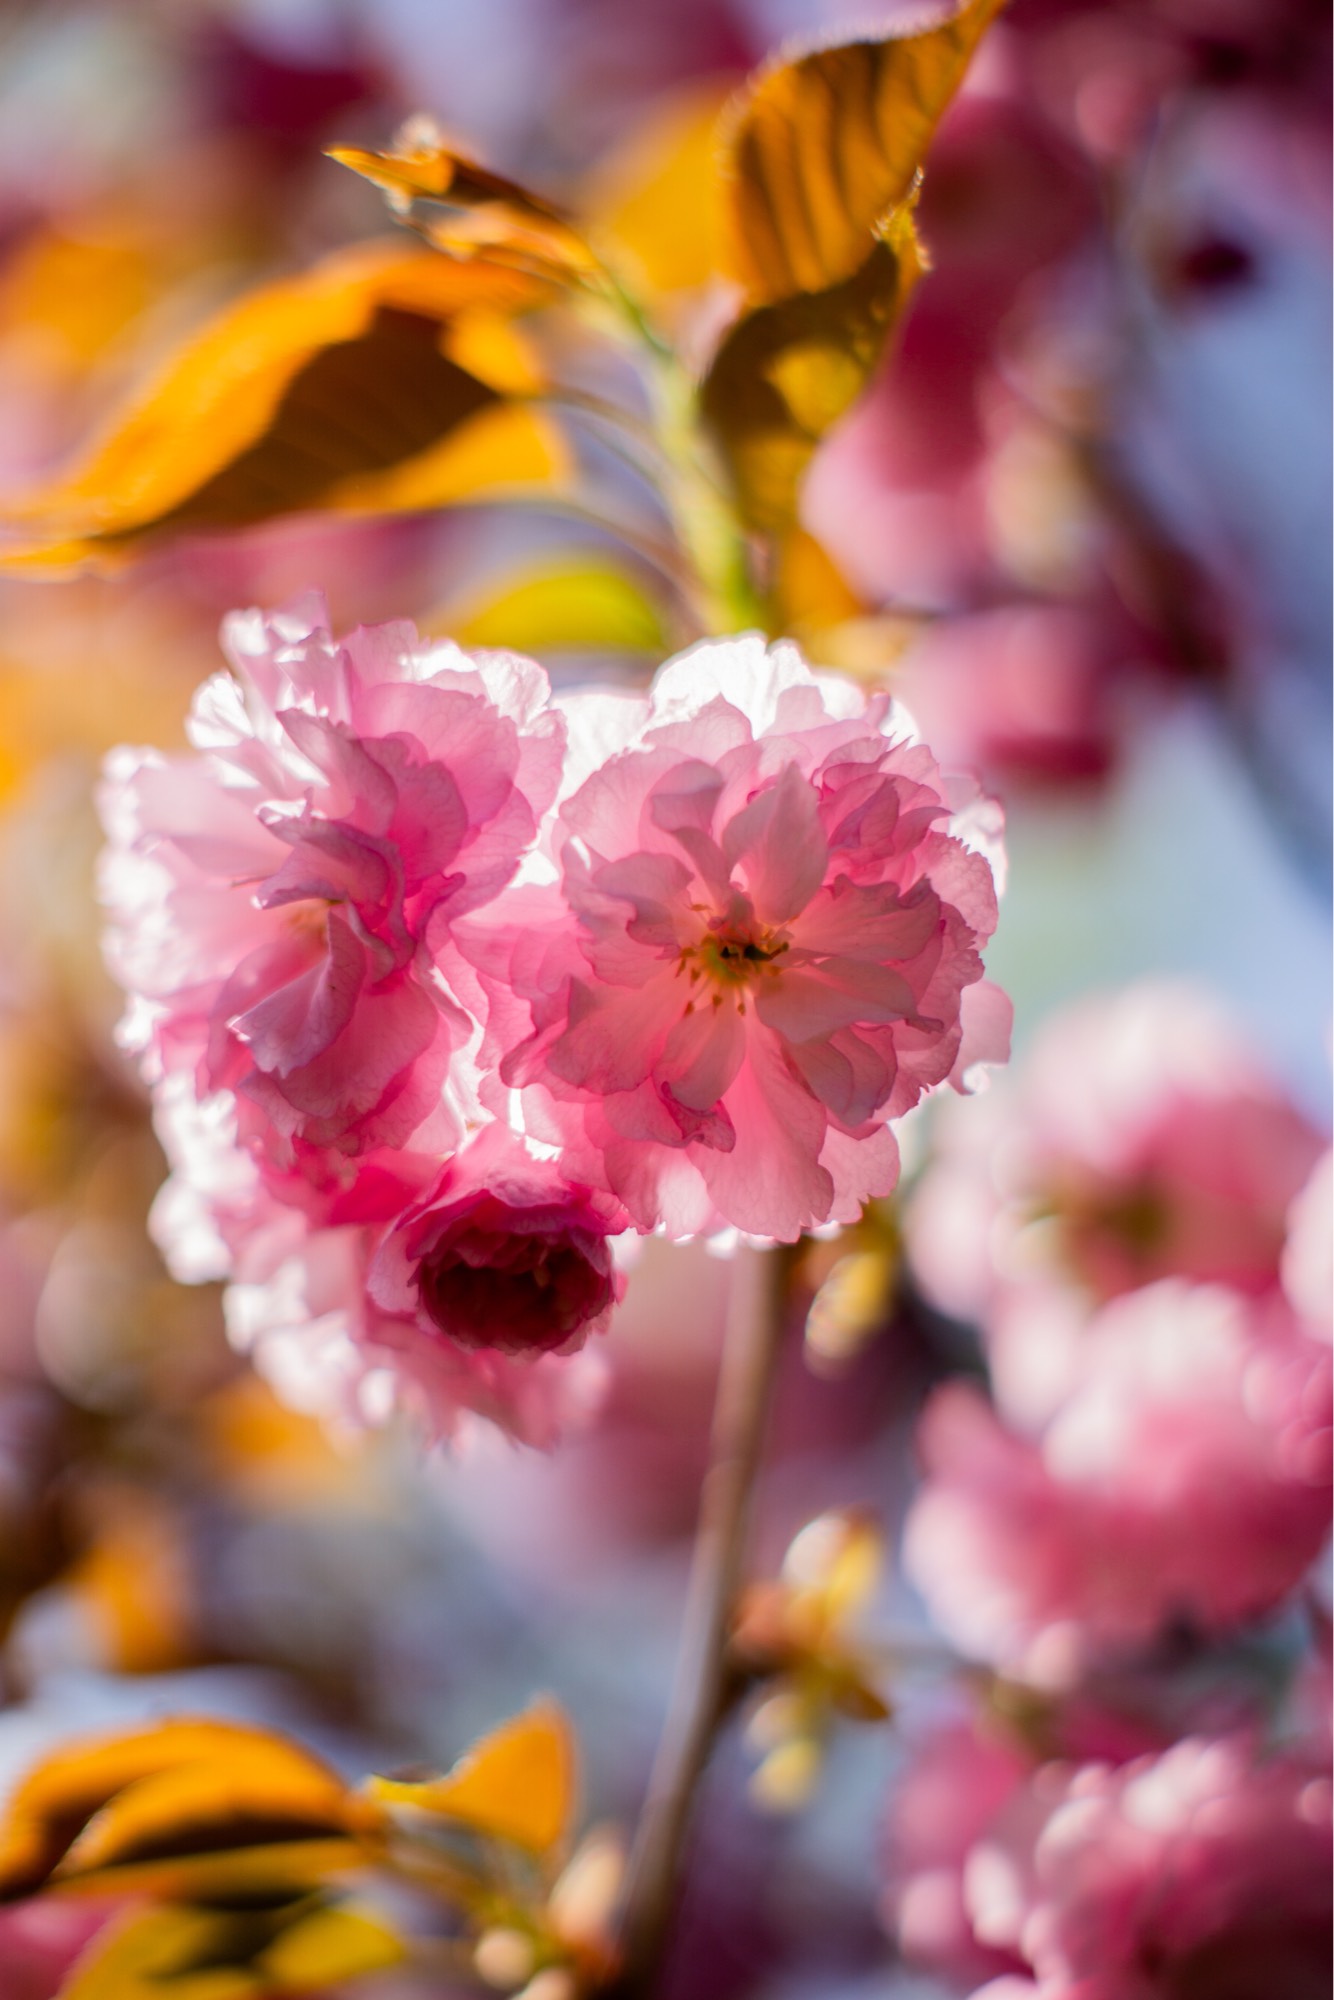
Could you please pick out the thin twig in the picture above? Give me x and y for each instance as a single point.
(700, 1696)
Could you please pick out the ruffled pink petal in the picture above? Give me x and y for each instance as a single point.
(772, 1184)
(616, 1034)
(851, 1075)
(808, 1003)
(778, 844)
(864, 1166)
(855, 920)
(703, 1053)
(298, 1019)
(987, 1016)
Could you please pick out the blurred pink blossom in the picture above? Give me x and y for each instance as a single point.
(959, 1782)
(1140, 1139)
(1308, 1279)
(41, 1941)
(1205, 1870)
(1185, 1479)
(768, 927)
(1201, 1869)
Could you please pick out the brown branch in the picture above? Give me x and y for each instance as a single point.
(700, 1698)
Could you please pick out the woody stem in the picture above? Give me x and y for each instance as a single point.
(760, 1284)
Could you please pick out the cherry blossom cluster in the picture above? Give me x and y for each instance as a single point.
(443, 984)
(1128, 1226)
(1121, 1868)
(1121, 1534)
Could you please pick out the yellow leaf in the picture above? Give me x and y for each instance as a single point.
(852, 1302)
(822, 150)
(810, 591)
(135, 1581)
(785, 372)
(490, 347)
(821, 161)
(335, 390)
(252, 1797)
(327, 1946)
(278, 1869)
(82, 284)
(166, 1952)
(517, 1783)
(481, 213)
(274, 1457)
(187, 1799)
(657, 201)
(587, 606)
(181, 1952)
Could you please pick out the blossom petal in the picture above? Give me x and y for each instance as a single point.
(774, 1184)
(818, 1000)
(616, 1034)
(779, 844)
(703, 1053)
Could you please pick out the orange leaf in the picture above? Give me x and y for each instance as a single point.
(338, 389)
(182, 1953)
(810, 589)
(480, 213)
(822, 157)
(177, 1797)
(786, 372)
(823, 149)
(517, 1783)
(658, 200)
(178, 1954)
(271, 1793)
(134, 1580)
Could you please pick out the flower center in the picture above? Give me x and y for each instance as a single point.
(733, 955)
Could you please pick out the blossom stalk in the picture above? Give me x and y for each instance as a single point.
(700, 1697)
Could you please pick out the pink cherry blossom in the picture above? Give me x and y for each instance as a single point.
(1308, 1254)
(960, 1780)
(282, 902)
(448, 1292)
(1194, 1867)
(965, 1815)
(1185, 1479)
(1140, 1139)
(502, 1253)
(1205, 1870)
(300, 1301)
(765, 947)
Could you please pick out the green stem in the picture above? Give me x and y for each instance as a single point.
(704, 521)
